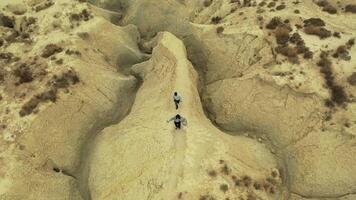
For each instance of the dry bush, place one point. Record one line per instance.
(23, 73)
(337, 34)
(43, 5)
(212, 173)
(318, 31)
(322, 3)
(251, 196)
(308, 55)
(296, 11)
(350, 8)
(216, 19)
(50, 50)
(206, 197)
(219, 30)
(330, 9)
(340, 51)
(282, 35)
(224, 187)
(271, 4)
(225, 169)
(295, 38)
(338, 94)
(281, 7)
(263, 3)
(247, 181)
(6, 21)
(314, 22)
(352, 79)
(274, 23)
(351, 42)
(257, 185)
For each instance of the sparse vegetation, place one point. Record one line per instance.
(327, 7)
(281, 7)
(23, 73)
(350, 8)
(44, 5)
(220, 29)
(50, 50)
(318, 31)
(6, 21)
(216, 19)
(274, 23)
(224, 187)
(66, 79)
(207, 3)
(282, 35)
(212, 173)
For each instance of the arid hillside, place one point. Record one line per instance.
(268, 90)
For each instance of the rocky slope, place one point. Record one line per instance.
(268, 91)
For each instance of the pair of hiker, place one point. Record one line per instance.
(178, 120)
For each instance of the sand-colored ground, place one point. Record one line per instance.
(268, 91)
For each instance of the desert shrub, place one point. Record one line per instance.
(43, 5)
(66, 79)
(330, 9)
(337, 34)
(72, 52)
(341, 50)
(352, 79)
(6, 21)
(274, 23)
(220, 29)
(314, 22)
(301, 48)
(295, 38)
(23, 73)
(7, 56)
(322, 3)
(257, 185)
(50, 50)
(207, 3)
(271, 4)
(224, 187)
(263, 3)
(212, 173)
(216, 19)
(296, 11)
(338, 94)
(247, 181)
(318, 31)
(225, 169)
(251, 196)
(281, 7)
(308, 55)
(351, 42)
(350, 8)
(282, 35)
(247, 3)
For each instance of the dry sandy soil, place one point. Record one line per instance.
(268, 87)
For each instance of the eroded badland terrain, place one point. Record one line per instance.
(268, 87)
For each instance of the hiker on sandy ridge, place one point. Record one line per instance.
(178, 120)
(177, 99)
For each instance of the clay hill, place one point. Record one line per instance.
(268, 88)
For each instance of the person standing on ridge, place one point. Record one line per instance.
(177, 99)
(178, 120)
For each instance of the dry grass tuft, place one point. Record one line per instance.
(318, 31)
(50, 50)
(352, 79)
(282, 35)
(274, 23)
(224, 187)
(350, 8)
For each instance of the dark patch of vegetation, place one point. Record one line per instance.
(337, 34)
(180, 195)
(282, 35)
(281, 7)
(7, 56)
(44, 5)
(66, 79)
(23, 73)
(50, 50)
(327, 7)
(350, 8)
(271, 4)
(295, 38)
(251, 196)
(263, 3)
(6, 21)
(83, 15)
(351, 42)
(314, 22)
(220, 29)
(247, 181)
(338, 94)
(73, 52)
(225, 169)
(341, 51)
(318, 31)
(352, 79)
(216, 19)
(84, 35)
(287, 51)
(330, 9)
(296, 11)
(274, 23)
(212, 173)
(224, 187)
(257, 185)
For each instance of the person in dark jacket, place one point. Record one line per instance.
(178, 121)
